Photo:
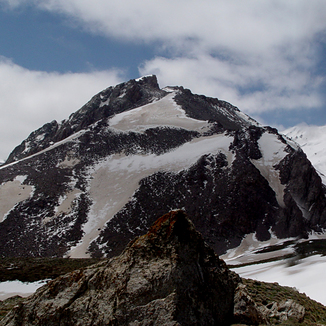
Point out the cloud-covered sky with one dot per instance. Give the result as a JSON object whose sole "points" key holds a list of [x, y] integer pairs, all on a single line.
{"points": [[266, 57]]}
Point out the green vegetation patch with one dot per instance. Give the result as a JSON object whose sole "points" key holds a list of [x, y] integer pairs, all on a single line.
{"points": [[265, 293]]}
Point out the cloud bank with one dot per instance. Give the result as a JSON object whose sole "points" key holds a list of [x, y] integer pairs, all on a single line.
{"points": [[257, 54]]}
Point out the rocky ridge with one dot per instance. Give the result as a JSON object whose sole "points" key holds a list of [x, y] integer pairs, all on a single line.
{"points": [[311, 139]]}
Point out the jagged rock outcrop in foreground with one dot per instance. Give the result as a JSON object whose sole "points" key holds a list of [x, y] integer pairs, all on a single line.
{"points": [[168, 276]]}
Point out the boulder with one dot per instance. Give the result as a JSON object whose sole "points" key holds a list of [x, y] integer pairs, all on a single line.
{"points": [[284, 310], [245, 309]]}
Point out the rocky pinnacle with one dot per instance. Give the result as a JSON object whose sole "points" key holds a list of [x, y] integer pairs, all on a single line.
{"points": [[168, 276]]}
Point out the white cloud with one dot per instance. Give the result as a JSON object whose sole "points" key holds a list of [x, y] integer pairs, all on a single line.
{"points": [[28, 99], [253, 24], [218, 47], [245, 26], [253, 86]]}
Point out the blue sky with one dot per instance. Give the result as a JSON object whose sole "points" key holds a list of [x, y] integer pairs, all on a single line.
{"points": [[39, 40], [266, 57]]}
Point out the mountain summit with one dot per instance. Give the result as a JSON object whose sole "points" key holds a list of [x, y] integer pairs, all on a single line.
{"points": [[90, 184]]}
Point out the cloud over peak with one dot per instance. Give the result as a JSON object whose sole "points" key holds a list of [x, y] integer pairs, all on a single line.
{"points": [[228, 46]]}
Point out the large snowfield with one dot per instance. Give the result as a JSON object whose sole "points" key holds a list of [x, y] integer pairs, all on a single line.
{"points": [[306, 275]]}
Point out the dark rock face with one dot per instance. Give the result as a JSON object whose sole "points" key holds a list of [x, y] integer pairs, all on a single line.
{"points": [[205, 108], [304, 195], [224, 203], [168, 276]]}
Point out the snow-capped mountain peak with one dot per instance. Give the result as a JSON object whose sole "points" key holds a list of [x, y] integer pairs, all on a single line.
{"points": [[312, 140], [90, 184]]}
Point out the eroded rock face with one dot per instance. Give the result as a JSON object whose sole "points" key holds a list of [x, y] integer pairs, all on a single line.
{"points": [[168, 276]]}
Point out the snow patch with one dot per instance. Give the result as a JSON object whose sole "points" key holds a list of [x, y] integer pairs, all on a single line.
{"points": [[107, 102], [12, 193], [316, 236], [164, 112], [66, 202], [169, 89], [21, 178], [307, 275], [143, 77], [69, 161], [39, 138], [273, 151], [11, 288]]}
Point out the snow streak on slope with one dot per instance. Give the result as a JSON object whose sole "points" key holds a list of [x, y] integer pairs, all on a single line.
{"points": [[273, 151], [251, 250], [73, 137], [12, 193], [312, 140], [114, 180], [164, 112]]}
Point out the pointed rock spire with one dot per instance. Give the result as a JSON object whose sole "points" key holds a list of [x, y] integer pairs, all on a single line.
{"points": [[168, 276]]}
